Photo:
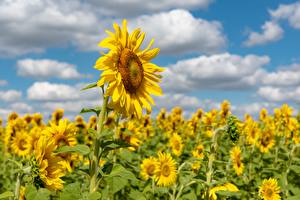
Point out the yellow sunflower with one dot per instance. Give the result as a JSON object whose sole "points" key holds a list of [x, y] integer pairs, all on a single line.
{"points": [[266, 141], [127, 69], [49, 165], [226, 187], [198, 151], [148, 167], [64, 134], [235, 155], [269, 190], [165, 170], [176, 144], [21, 144]]}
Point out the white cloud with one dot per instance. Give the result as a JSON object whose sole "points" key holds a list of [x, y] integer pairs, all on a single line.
{"points": [[178, 31], [46, 91], [169, 101], [279, 94], [252, 108], [10, 95], [3, 82], [290, 12], [21, 107], [71, 106], [46, 68], [271, 32], [220, 71], [285, 76], [33, 26], [51, 91], [123, 8]]}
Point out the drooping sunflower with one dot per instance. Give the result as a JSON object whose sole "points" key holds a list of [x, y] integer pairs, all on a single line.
{"points": [[176, 144], [236, 159], [127, 69], [165, 170], [269, 190], [21, 144], [49, 165], [148, 167]]}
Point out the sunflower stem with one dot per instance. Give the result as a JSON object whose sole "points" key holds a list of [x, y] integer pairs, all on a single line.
{"points": [[290, 159], [18, 186], [211, 158], [97, 150]]}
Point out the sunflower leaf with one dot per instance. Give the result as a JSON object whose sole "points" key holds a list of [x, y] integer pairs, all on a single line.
{"points": [[80, 148], [88, 110], [89, 86], [6, 194]]}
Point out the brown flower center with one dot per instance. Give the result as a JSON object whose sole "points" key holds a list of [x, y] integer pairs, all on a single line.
{"points": [[131, 70], [150, 170], [22, 145], [166, 171]]}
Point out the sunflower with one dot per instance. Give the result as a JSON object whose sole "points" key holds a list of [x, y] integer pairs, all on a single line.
{"points": [[165, 170], [148, 167], [64, 134], [269, 190], [49, 165], [266, 140], [226, 187], [21, 144], [127, 69], [198, 151], [176, 144], [57, 115], [235, 155]]}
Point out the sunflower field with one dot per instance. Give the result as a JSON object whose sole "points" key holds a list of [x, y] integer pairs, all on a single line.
{"points": [[123, 152]]}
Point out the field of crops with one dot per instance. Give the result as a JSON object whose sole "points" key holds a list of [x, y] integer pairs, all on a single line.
{"points": [[212, 155], [123, 153]]}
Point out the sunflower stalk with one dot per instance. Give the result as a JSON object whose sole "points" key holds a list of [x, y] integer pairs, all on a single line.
{"points": [[97, 150], [289, 163], [211, 158], [18, 186]]}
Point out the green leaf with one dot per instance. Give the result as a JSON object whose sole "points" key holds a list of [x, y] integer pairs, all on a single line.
{"points": [[108, 145], [92, 131], [120, 171], [295, 168], [6, 194], [71, 192], [297, 197], [94, 196], [31, 193], [89, 86], [136, 195], [96, 110], [80, 148], [115, 184]]}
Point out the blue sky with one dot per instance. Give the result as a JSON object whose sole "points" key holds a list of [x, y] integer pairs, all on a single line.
{"points": [[243, 51]]}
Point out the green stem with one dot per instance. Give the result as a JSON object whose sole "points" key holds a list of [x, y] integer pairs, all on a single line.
{"points": [[96, 156], [211, 158], [18, 186], [289, 163]]}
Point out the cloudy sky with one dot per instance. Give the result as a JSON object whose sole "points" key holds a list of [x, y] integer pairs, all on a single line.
{"points": [[245, 51]]}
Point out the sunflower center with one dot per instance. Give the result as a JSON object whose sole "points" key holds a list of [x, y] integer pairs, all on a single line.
{"points": [[166, 171], [131, 70], [150, 170], [22, 145], [269, 192]]}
